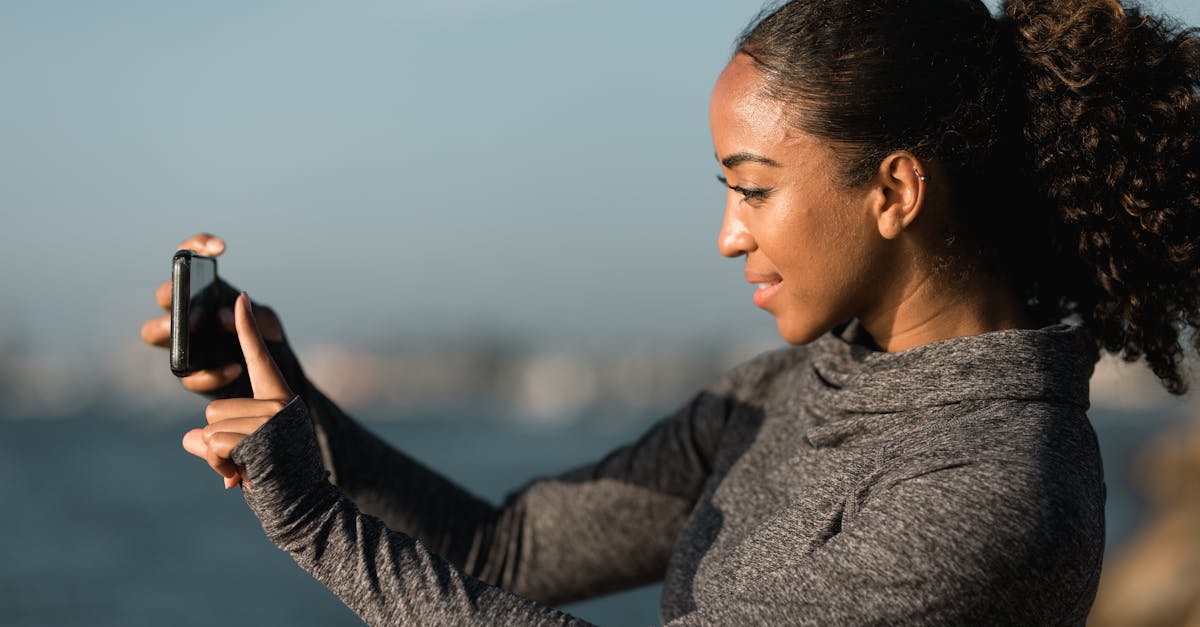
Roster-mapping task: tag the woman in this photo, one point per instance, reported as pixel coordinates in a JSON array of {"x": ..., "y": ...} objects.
[{"x": 949, "y": 215}]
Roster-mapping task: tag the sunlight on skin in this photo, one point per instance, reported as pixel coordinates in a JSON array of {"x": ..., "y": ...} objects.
[
  {"x": 231, "y": 420},
  {"x": 823, "y": 253}
]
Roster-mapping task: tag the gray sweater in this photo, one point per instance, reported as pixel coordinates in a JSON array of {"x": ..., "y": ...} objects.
[{"x": 955, "y": 483}]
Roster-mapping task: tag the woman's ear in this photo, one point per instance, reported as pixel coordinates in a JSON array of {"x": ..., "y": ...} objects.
[{"x": 903, "y": 179}]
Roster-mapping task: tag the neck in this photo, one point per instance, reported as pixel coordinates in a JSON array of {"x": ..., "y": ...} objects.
[{"x": 927, "y": 311}]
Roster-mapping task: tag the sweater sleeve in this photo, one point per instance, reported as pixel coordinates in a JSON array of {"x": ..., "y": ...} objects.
[
  {"x": 381, "y": 480},
  {"x": 406, "y": 495},
  {"x": 385, "y": 576},
  {"x": 439, "y": 555},
  {"x": 959, "y": 542}
]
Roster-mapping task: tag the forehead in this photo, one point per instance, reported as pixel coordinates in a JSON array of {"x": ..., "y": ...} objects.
[{"x": 742, "y": 116}]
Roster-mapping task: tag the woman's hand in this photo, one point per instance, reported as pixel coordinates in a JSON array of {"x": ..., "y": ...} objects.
[
  {"x": 157, "y": 331},
  {"x": 231, "y": 420}
]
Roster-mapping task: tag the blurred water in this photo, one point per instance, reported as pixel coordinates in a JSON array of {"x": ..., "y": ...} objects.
[{"x": 106, "y": 521}]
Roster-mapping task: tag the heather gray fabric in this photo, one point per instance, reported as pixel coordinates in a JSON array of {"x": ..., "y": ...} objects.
[{"x": 954, "y": 483}]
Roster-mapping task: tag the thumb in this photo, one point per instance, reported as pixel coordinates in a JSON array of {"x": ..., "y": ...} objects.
[{"x": 265, "y": 379}]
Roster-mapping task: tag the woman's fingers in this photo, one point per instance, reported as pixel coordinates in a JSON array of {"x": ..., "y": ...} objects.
[
  {"x": 265, "y": 378},
  {"x": 222, "y": 443},
  {"x": 162, "y": 296},
  {"x": 157, "y": 332},
  {"x": 207, "y": 381},
  {"x": 215, "y": 448},
  {"x": 204, "y": 244},
  {"x": 244, "y": 425},
  {"x": 230, "y": 408},
  {"x": 232, "y": 419},
  {"x": 221, "y": 463},
  {"x": 219, "y": 447},
  {"x": 265, "y": 317},
  {"x": 197, "y": 444},
  {"x": 193, "y": 442}
]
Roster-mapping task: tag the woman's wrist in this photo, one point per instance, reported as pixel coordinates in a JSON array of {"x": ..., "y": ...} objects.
[{"x": 280, "y": 460}]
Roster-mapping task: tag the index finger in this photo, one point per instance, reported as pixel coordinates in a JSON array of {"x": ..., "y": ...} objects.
[
  {"x": 265, "y": 379},
  {"x": 204, "y": 244},
  {"x": 163, "y": 296}
]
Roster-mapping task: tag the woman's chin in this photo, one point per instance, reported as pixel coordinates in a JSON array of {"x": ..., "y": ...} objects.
[{"x": 800, "y": 333}]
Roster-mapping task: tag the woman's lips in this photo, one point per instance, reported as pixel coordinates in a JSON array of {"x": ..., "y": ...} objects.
[
  {"x": 765, "y": 291},
  {"x": 767, "y": 285}
]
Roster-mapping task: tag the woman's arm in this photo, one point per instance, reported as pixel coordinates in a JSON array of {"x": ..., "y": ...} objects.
[
  {"x": 385, "y": 576},
  {"x": 384, "y": 482},
  {"x": 606, "y": 526},
  {"x": 602, "y": 527},
  {"x": 599, "y": 528}
]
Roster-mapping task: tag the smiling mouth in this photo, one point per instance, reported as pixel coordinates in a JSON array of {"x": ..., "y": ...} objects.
[{"x": 764, "y": 291}]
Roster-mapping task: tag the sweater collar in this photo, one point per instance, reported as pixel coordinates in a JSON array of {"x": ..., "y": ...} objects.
[{"x": 1052, "y": 364}]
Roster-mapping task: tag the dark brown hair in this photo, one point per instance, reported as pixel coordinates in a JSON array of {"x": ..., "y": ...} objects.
[{"x": 1068, "y": 131}]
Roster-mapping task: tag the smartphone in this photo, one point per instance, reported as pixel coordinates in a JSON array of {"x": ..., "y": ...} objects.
[{"x": 198, "y": 342}]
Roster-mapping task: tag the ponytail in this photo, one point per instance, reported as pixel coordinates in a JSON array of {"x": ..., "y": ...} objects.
[{"x": 1112, "y": 132}]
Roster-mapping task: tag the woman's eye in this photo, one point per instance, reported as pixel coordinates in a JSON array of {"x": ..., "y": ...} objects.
[
  {"x": 748, "y": 193},
  {"x": 754, "y": 193}
]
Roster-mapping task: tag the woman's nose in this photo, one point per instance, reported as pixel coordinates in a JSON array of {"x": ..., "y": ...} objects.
[{"x": 734, "y": 240}]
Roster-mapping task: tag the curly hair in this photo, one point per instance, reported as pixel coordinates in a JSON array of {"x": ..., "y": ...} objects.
[{"x": 1091, "y": 110}]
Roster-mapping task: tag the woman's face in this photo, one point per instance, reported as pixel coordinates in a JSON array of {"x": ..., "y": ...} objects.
[{"x": 812, "y": 247}]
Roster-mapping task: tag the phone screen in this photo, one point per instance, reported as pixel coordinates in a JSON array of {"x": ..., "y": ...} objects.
[{"x": 203, "y": 281}]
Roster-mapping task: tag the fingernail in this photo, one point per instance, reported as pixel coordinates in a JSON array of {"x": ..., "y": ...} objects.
[
  {"x": 231, "y": 371},
  {"x": 249, "y": 307},
  {"x": 214, "y": 245}
]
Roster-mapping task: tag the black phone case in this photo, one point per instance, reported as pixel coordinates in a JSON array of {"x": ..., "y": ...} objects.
[{"x": 199, "y": 344}]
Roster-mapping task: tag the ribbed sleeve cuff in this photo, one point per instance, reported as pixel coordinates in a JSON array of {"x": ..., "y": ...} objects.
[{"x": 281, "y": 462}]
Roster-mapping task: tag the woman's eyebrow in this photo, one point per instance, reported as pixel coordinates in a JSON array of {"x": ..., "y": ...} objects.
[{"x": 734, "y": 160}]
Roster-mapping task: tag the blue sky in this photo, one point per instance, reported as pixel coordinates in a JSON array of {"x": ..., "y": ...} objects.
[{"x": 380, "y": 169}]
